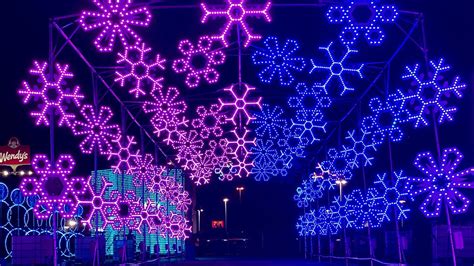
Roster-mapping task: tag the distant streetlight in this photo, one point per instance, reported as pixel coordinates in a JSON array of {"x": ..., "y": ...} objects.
[
  {"x": 240, "y": 189},
  {"x": 199, "y": 219},
  {"x": 341, "y": 182},
  {"x": 225, "y": 200}
]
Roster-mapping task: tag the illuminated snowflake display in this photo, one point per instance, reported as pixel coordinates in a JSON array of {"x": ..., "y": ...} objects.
[
  {"x": 392, "y": 194},
  {"x": 188, "y": 146},
  {"x": 176, "y": 226},
  {"x": 310, "y": 99},
  {"x": 324, "y": 178},
  {"x": 115, "y": 19},
  {"x": 361, "y": 148},
  {"x": 96, "y": 129},
  {"x": 307, "y": 224},
  {"x": 270, "y": 122},
  {"x": 210, "y": 121},
  {"x": 55, "y": 188},
  {"x": 123, "y": 153},
  {"x": 441, "y": 182},
  {"x": 338, "y": 69},
  {"x": 166, "y": 105},
  {"x": 365, "y": 210},
  {"x": 341, "y": 211},
  {"x": 241, "y": 143},
  {"x": 339, "y": 164},
  {"x": 263, "y": 152},
  {"x": 278, "y": 60},
  {"x": 385, "y": 120},
  {"x": 327, "y": 222},
  {"x": 170, "y": 130},
  {"x": 308, "y": 126},
  {"x": 431, "y": 94},
  {"x": 263, "y": 171},
  {"x": 241, "y": 104},
  {"x": 362, "y": 17},
  {"x": 202, "y": 168},
  {"x": 236, "y": 13},
  {"x": 307, "y": 193},
  {"x": 127, "y": 210},
  {"x": 49, "y": 90},
  {"x": 181, "y": 200},
  {"x": 140, "y": 70},
  {"x": 99, "y": 205},
  {"x": 148, "y": 215},
  {"x": 142, "y": 170},
  {"x": 199, "y": 62}
]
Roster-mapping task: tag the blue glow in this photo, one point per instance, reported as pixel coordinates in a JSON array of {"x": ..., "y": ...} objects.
[
  {"x": 339, "y": 164},
  {"x": 324, "y": 178},
  {"x": 308, "y": 192},
  {"x": 393, "y": 195},
  {"x": 263, "y": 171},
  {"x": 279, "y": 60},
  {"x": 327, "y": 222},
  {"x": 430, "y": 94},
  {"x": 362, "y": 17},
  {"x": 385, "y": 120},
  {"x": 291, "y": 144},
  {"x": 365, "y": 211},
  {"x": 263, "y": 152},
  {"x": 270, "y": 122},
  {"x": 308, "y": 126},
  {"x": 337, "y": 69},
  {"x": 310, "y": 99},
  {"x": 307, "y": 224},
  {"x": 341, "y": 211},
  {"x": 361, "y": 148}
]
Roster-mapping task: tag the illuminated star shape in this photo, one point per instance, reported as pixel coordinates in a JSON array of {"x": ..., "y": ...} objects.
[
  {"x": 308, "y": 126},
  {"x": 279, "y": 60},
  {"x": 140, "y": 70},
  {"x": 441, "y": 182},
  {"x": 236, "y": 14},
  {"x": 241, "y": 104},
  {"x": 96, "y": 129},
  {"x": 115, "y": 19},
  {"x": 199, "y": 62},
  {"x": 338, "y": 69},
  {"x": 51, "y": 94},
  {"x": 307, "y": 224}
]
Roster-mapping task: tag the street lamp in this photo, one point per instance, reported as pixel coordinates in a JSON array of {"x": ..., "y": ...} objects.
[
  {"x": 199, "y": 219},
  {"x": 225, "y": 200},
  {"x": 240, "y": 189},
  {"x": 341, "y": 182}
]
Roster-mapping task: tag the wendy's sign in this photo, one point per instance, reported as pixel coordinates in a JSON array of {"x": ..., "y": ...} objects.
[{"x": 14, "y": 154}]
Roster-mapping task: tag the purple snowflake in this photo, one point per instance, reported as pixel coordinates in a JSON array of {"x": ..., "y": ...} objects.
[
  {"x": 123, "y": 153},
  {"x": 210, "y": 121}
]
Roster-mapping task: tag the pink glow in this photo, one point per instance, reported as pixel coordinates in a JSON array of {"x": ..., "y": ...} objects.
[
  {"x": 142, "y": 169},
  {"x": 210, "y": 121},
  {"x": 188, "y": 146}
]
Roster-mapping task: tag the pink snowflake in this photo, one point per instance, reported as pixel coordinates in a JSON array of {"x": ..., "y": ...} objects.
[
  {"x": 236, "y": 14},
  {"x": 140, "y": 70},
  {"x": 221, "y": 151},
  {"x": 98, "y": 133},
  {"x": 100, "y": 206},
  {"x": 170, "y": 130},
  {"x": 188, "y": 146},
  {"x": 241, "y": 144},
  {"x": 166, "y": 105},
  {"x": 49, "y": 91},
  {"x": 123, "y": 154},
  {"x": 182, "y": 201},
  {"x": 199, "y": 62},
  {"x": 241, "y": 105},
  {"x": 127, "y": 211},
  {"x": 55, "y": 188},
  {"x": 202, "y": 168},
  {"x": 148, "y": 216},
  {"x": 210, "y": 121},
  {"x": 115, "y": 18},
  {"x": 142, "y": 169},
  {"x": 241, "y": 167},
  {"x": 176, "y": 226}
]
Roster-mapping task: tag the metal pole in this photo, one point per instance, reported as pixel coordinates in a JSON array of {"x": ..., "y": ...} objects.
[
  {"x": 225, "y": 210},
  {"x": 199, "y": 220},
  {"x": 142, "y": 138},
  {"x": 96, "y": 109}
]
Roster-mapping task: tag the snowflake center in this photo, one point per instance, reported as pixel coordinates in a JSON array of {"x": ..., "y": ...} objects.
[
  {"x": 362, "y": 14},
  {"x": 237, "y": 12},
  {"x": 337, "y": 68},
  {"x": 140, "y": 70},
  {"x": 279, "y": 60},
  {"x": 442, "y": 182},
  {"x": 124, "y": 154},
  {"x": 241, "y": 142},
  {"x": 386, "y": 120},
  {"x": 116, "y": 18},
  {"x": 97, "y": 202},
  {"x": 240, "y": 104},
  {"x": 199, "y": 61},
  {"x": 308, "y": 125},
  {"x": 30, "y": 187},
  {"x": 359, "y": 148},
  {"x": 429, "y": 93},
  {"x": 339, "y": 164},
  {"x": 96, "y": 129},
  {"x": 144, "y": 215},
  {"x": 165, "y": 106},
  {"x": 365, "y": 208},
  {"x": 392, "y": 196},
  {"x": 210, "y": 121},
  {"x": 124, "y": 210},
  {"x": 54, "y": 186},
  {"x": 52, "y": 94},
  {"x": 310, "y": 102}
]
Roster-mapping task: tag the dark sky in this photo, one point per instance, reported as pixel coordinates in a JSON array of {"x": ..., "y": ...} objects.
[{"x": 449, "y": 30}]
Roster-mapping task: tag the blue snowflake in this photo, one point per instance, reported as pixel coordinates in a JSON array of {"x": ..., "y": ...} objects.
[
  {"x": 341, "y": 213},
  {"x": 292, "y": 144},
  {"x": 392, "y": 195},
  {"x": 324, "y": 178},
  {"x": 307, "y": 193},
  {"x": 263, "y": 171},
  {"x": 263, "y": 152},
  {"x": 432, "y": 94},
  {"x": 337, "y": 69},
  {"x": 362, "y": 16},
  {"x": 339, "y": 164},
  {"x": 364, "y": 210},
  {"x": 270, "y": 122},
  {"x": 278, "y": 60},
  {"x": 307, "y": 224},
  {"x": 310, "y": 99},
  {"x": 327, "y": 222},
  {"x": 385, "y": 120},
  {"x": 361, "y": 148},
  {"x": 308, "y": 126}
]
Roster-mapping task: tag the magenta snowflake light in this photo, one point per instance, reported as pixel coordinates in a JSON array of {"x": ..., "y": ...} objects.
[
  {"x": 127, "y": 211},
  {"x": 188, "y": 146},
  {"x": 170, "y": 130},
  {"x": 140, "y": 70},
  {"x": 155, "y": 184},
  {"x": 210, "y": 121},
  {"x": 176, "y": 226},
  {"x": 122, "y": 152},
  {"x": 199, "y": 62},
  {"x": 202, "y": 168},
  {"x": 55, "y": 188},
  {"x": 96, "y": 129},
  {"x": 241, "y": 104},
  {"x": 142, "y": 169},
  {"x": 115, "y": 19},
  {"x": 99, "y": 204},
  {"x": 237, "y": 13},
  {"x": 441, "y": 182},
  {"x": 166, "y": 104},
  {"x": 240, "y": 144},
  {"x": 182, "y": 201},
  {"x": 51, "y": 93},
  {"x": 148, "y": 216}
]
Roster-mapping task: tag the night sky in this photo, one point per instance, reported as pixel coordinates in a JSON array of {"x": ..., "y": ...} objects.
[{"x": 268, "y": 208}]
